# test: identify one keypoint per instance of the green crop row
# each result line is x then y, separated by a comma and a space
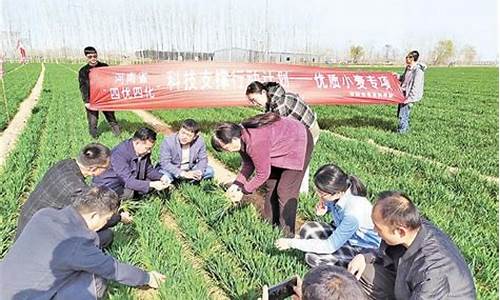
18, 85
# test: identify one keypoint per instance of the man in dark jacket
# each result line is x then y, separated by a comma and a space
131, 174
83, 78
415, 260
66, 180
57, 254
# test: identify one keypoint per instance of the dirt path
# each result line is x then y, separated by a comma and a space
8, 138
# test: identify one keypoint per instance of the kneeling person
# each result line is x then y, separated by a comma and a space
183, 155
415, 260
57, 255
131, 174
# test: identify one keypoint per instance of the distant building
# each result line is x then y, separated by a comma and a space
174, 55
247, 55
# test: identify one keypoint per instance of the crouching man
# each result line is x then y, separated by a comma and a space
57, 255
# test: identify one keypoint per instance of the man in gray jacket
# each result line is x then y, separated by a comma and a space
415, 260
183, 155
57, 254
412, 84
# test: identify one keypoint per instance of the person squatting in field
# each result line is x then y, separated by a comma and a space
131, 174
351, 231
57, 254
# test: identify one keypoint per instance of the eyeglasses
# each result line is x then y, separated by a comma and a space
91, 55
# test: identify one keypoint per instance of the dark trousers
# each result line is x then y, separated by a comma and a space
283, 187
378, 282
93, 119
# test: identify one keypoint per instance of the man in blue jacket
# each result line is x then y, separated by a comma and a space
183, 155
131, 174
57, 254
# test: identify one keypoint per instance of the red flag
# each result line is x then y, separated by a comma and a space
22, 52
209, 84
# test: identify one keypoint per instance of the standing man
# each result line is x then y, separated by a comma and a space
56, 256
66, 180
131, 174
83, 78
415, 260
412, 84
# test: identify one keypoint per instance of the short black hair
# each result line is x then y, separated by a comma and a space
100, 199
145, 134
191, 125
89, 50
396, 209
94, 154
331, 282
414, 54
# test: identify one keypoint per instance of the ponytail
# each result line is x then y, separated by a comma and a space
332, 179
357, 187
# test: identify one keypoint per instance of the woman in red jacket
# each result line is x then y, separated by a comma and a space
277, 150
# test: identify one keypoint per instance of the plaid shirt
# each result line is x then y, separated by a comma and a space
57, 188
290, 105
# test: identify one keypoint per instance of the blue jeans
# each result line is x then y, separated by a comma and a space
404, 117
209, 173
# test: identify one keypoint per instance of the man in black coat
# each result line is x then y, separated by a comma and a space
83, 78
415, 260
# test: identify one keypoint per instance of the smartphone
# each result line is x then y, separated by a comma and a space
282, 290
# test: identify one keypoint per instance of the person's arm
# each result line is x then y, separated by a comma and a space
83, 79
88, 258
202, 157
260, 156
431, 282
246, 170
339, 237
166, 159
122, 169
151, 172
417, 89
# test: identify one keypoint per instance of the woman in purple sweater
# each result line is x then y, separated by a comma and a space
276, 150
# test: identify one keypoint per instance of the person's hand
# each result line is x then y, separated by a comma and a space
233, 188
321, 208
282, 244
265, 293
297, 289
395, 74
357, 266
187, 175
87, 106
197, 174
158, 185
235, 196
126, 218
155, 279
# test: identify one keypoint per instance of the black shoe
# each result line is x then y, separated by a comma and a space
116, 130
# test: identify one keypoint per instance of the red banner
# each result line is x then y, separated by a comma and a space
208, 84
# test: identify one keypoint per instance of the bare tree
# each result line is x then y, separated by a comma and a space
468, 54
443, 52
356, 53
